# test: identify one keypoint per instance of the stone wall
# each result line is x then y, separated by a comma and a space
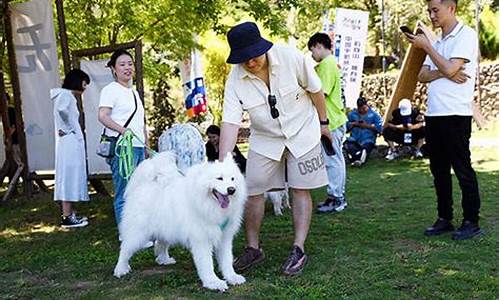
373, 90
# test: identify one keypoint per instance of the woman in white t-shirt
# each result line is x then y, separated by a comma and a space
117, 103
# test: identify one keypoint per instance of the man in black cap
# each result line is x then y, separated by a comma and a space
281, 92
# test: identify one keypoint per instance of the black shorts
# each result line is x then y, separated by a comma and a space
397, 136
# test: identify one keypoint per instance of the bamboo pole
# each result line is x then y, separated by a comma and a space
9, 164
138, 68
63, 36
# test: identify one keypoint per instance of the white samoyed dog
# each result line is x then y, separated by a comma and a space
201, 210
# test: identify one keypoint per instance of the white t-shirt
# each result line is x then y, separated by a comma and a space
121, 101
445, 97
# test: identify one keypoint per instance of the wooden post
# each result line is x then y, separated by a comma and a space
9, 164
10, 167
17, 100
63, 37
4, 109
407, 80
138, 68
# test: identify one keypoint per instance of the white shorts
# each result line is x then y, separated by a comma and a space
306, 172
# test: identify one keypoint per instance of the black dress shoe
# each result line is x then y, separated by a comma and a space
440, 226
466, 231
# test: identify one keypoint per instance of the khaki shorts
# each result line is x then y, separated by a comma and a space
306, 172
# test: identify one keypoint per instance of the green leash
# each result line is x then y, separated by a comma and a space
125, 152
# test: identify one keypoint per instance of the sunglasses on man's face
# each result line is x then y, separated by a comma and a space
272, 102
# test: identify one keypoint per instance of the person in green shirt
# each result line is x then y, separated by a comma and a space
320, 45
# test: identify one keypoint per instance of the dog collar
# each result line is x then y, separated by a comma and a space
224, 224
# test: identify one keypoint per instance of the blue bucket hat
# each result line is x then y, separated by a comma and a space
246, 43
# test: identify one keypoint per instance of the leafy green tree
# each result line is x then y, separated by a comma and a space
163, 113
216, 71
488, 33
167, 27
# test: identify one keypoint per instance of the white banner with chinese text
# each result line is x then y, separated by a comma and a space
38, 71
351, 31
100, 76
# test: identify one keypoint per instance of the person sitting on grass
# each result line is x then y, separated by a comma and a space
364, 123
405, 128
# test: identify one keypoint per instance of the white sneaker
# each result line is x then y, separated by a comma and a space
363, 156
356, 163
341, 205
392, 155
418, 154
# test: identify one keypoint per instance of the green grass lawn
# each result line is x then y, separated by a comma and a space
375, 249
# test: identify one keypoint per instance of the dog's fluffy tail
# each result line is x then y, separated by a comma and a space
161, 168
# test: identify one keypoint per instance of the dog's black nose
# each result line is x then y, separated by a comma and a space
231, 190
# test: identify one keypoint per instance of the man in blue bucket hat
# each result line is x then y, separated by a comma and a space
278, 87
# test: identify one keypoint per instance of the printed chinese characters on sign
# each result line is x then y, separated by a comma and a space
36, 50
351, 29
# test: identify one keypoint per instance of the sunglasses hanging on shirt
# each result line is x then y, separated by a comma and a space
272, 103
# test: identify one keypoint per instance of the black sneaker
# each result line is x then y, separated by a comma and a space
72, 221
466, 231
294, 264
440, 226
328, 206
248, 259
329, 200
335, 205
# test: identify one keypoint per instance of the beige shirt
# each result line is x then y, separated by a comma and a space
291, 76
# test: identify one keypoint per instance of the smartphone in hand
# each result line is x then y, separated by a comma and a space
406, 29
327, 145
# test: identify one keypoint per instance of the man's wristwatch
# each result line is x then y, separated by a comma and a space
326, 122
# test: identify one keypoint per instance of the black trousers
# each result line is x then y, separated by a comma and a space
397, 136
448, 141
354, 149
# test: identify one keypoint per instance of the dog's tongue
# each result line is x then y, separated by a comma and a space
223, 200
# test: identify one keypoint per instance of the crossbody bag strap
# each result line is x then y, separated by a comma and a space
132, 115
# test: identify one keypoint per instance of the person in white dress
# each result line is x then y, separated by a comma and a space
70, 163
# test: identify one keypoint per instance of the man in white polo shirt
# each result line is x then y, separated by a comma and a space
281, 92
450, 69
